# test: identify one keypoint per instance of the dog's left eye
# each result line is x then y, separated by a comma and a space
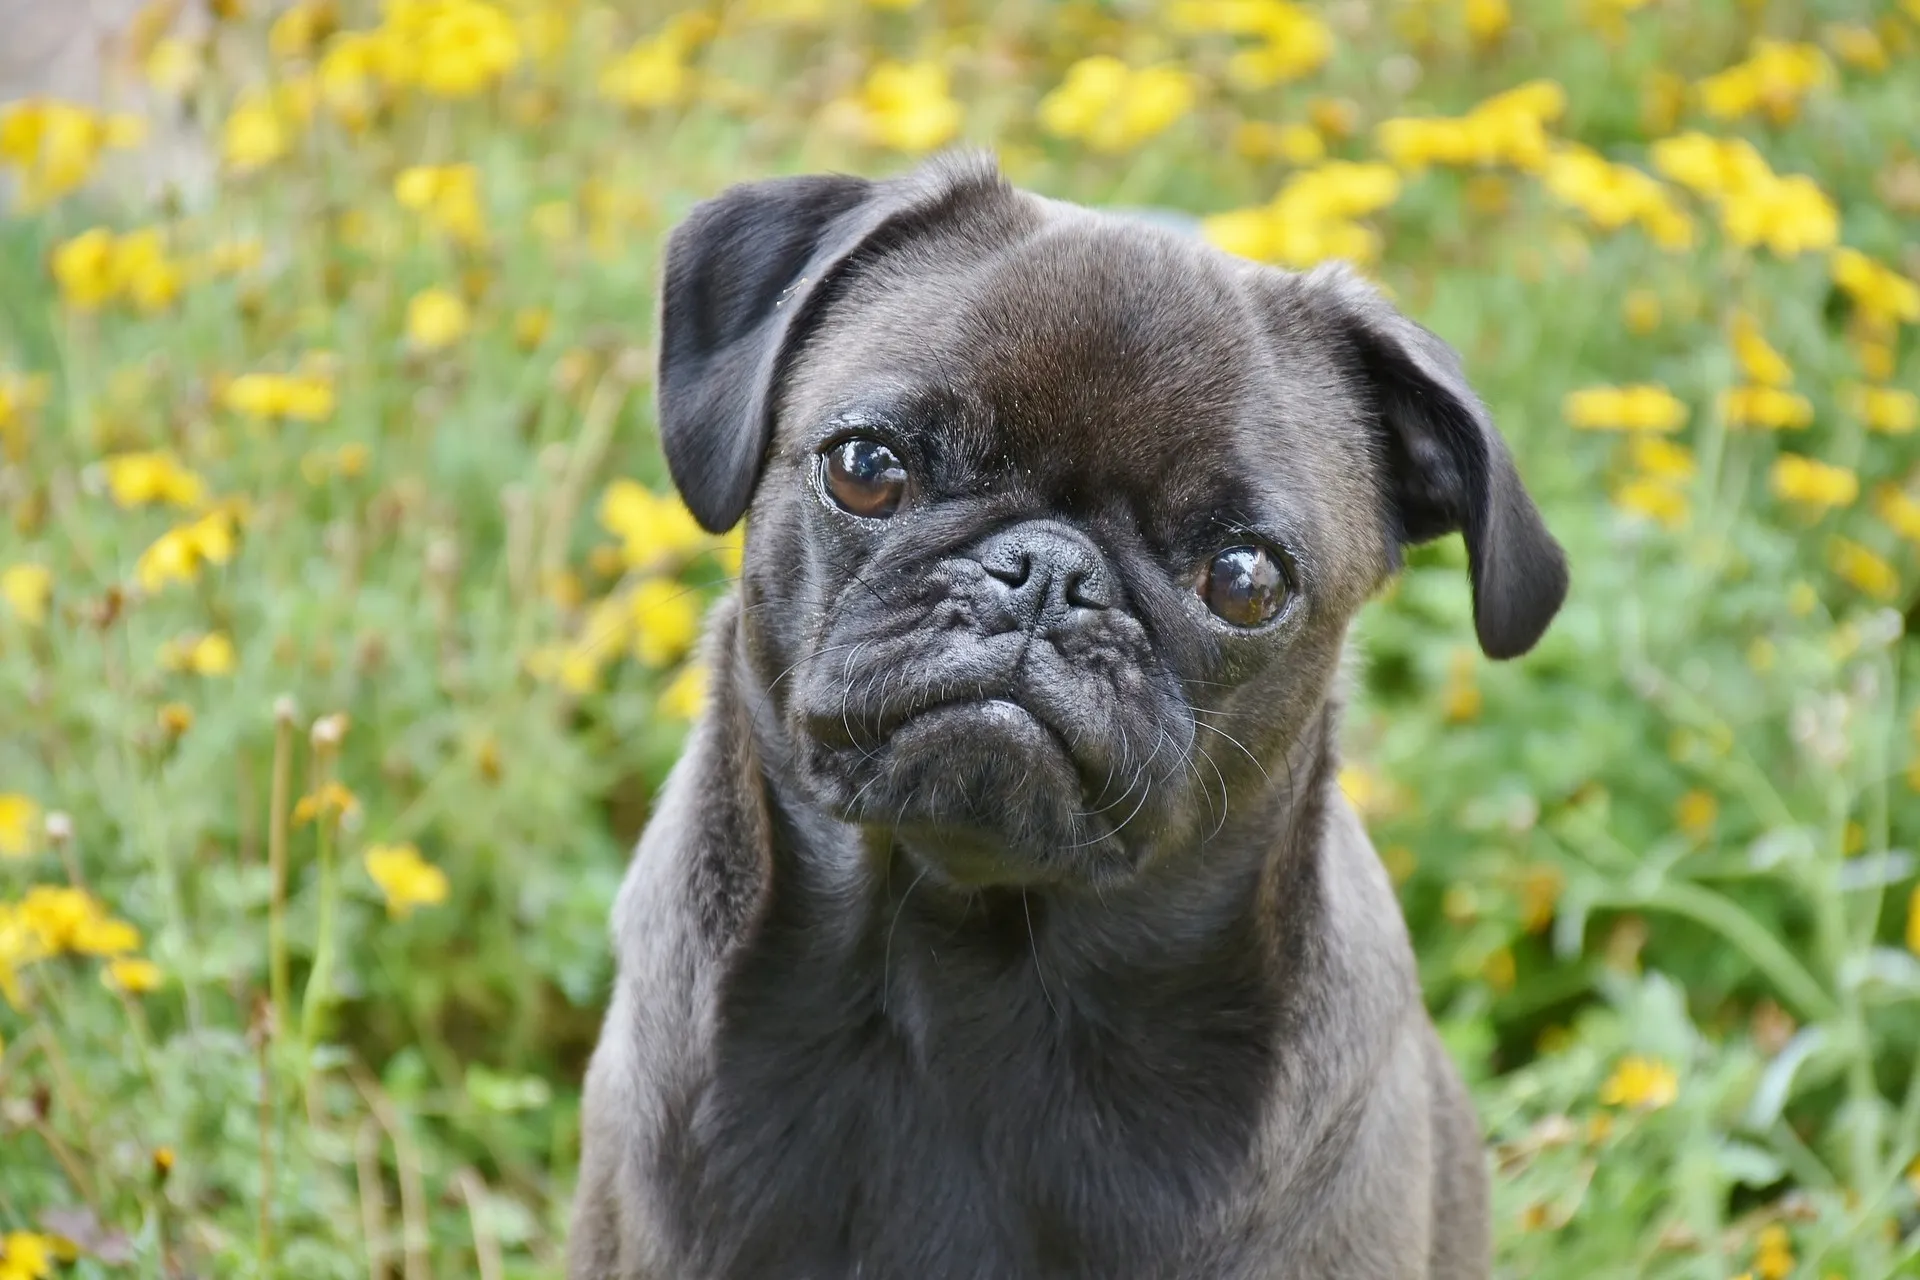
1244, 586
865, 478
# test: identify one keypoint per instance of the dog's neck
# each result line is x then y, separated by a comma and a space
1248, 889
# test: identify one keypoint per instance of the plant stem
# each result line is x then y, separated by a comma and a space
277, 860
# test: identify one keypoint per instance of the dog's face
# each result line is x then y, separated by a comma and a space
1057, 521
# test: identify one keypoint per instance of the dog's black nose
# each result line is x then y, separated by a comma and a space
1047, 571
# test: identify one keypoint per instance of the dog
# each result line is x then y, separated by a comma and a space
1002, 917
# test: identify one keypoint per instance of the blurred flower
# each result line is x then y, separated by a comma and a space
136, 479
211, 654
1856, 45
530, 325
175, 718
1487, 20
1509, 128
20, 398
26, 588
1642, 311
654, 529
178, 554
1656, 499
301, 397
685, 694
25, 1255
1913, 945
95, 267
1862, 569
1774, 78
1773, 1258
1294, 143
65, 919
1643, 1083
332, 800
666, 621
254, 135
83, 267
19, 820
654, 72
1696, 812
1758, 359
1113, 107
55, 145
1660, 459
1893, 410
1813, 483
407, 880
1292, 40
447, 197
436, 319
1789, 215
455, 48
1768, 407
1638, 407
301, 27
1882, 295
1613, 195
1460, 698
131, 975
1898, 511
1312, 218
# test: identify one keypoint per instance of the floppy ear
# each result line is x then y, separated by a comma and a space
1447, 468
744, 278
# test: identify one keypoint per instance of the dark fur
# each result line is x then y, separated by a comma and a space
1002, 919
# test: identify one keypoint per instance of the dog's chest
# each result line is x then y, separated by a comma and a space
964, 1121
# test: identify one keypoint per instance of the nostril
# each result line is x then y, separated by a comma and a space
1086, 590
1012, 570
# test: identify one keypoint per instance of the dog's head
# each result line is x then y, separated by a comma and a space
1057, 520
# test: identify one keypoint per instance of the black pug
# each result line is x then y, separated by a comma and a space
1003, 918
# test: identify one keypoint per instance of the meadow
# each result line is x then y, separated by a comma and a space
345, 609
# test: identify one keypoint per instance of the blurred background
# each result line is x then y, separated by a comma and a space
345, 610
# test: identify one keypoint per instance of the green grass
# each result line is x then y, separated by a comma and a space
1679, 831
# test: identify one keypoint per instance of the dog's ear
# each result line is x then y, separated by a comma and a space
1446, 466
745, 276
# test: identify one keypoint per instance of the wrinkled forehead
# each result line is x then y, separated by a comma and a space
1083, 352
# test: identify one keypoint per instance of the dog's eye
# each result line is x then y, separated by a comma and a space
1244, 586
866, 478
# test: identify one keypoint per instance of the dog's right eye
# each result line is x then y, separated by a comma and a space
864, 478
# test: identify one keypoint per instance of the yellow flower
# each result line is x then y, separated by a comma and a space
1893, 410
1642, 311
19, 820
653, 529
654, 72
666, 621
54, 145
1638, 407
1696, 812
457, 47
1813, 483
178, 554
301, 397
1898, 511
175, 718
1509, 128
1788, 215
436, 319
1758, 359
332, 800
1291, 40
530, 325
1294, 143
1614, 195
1863, 570
1774, 78
1773, 1258
173, 66
1857, 46
1488, 20
136, 479
1655, 499
685, 694
1644, 1083
905, 106
447, 197
1312, 217
83, 267
210, 655
26, 588
132, 975
1913, 942
254, 136
1660, 459
1768, 407
20, 398
1113, 107
406, 880
26, 1256
301, 27
1882, 295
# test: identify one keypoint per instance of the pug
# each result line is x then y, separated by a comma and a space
1002, 918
